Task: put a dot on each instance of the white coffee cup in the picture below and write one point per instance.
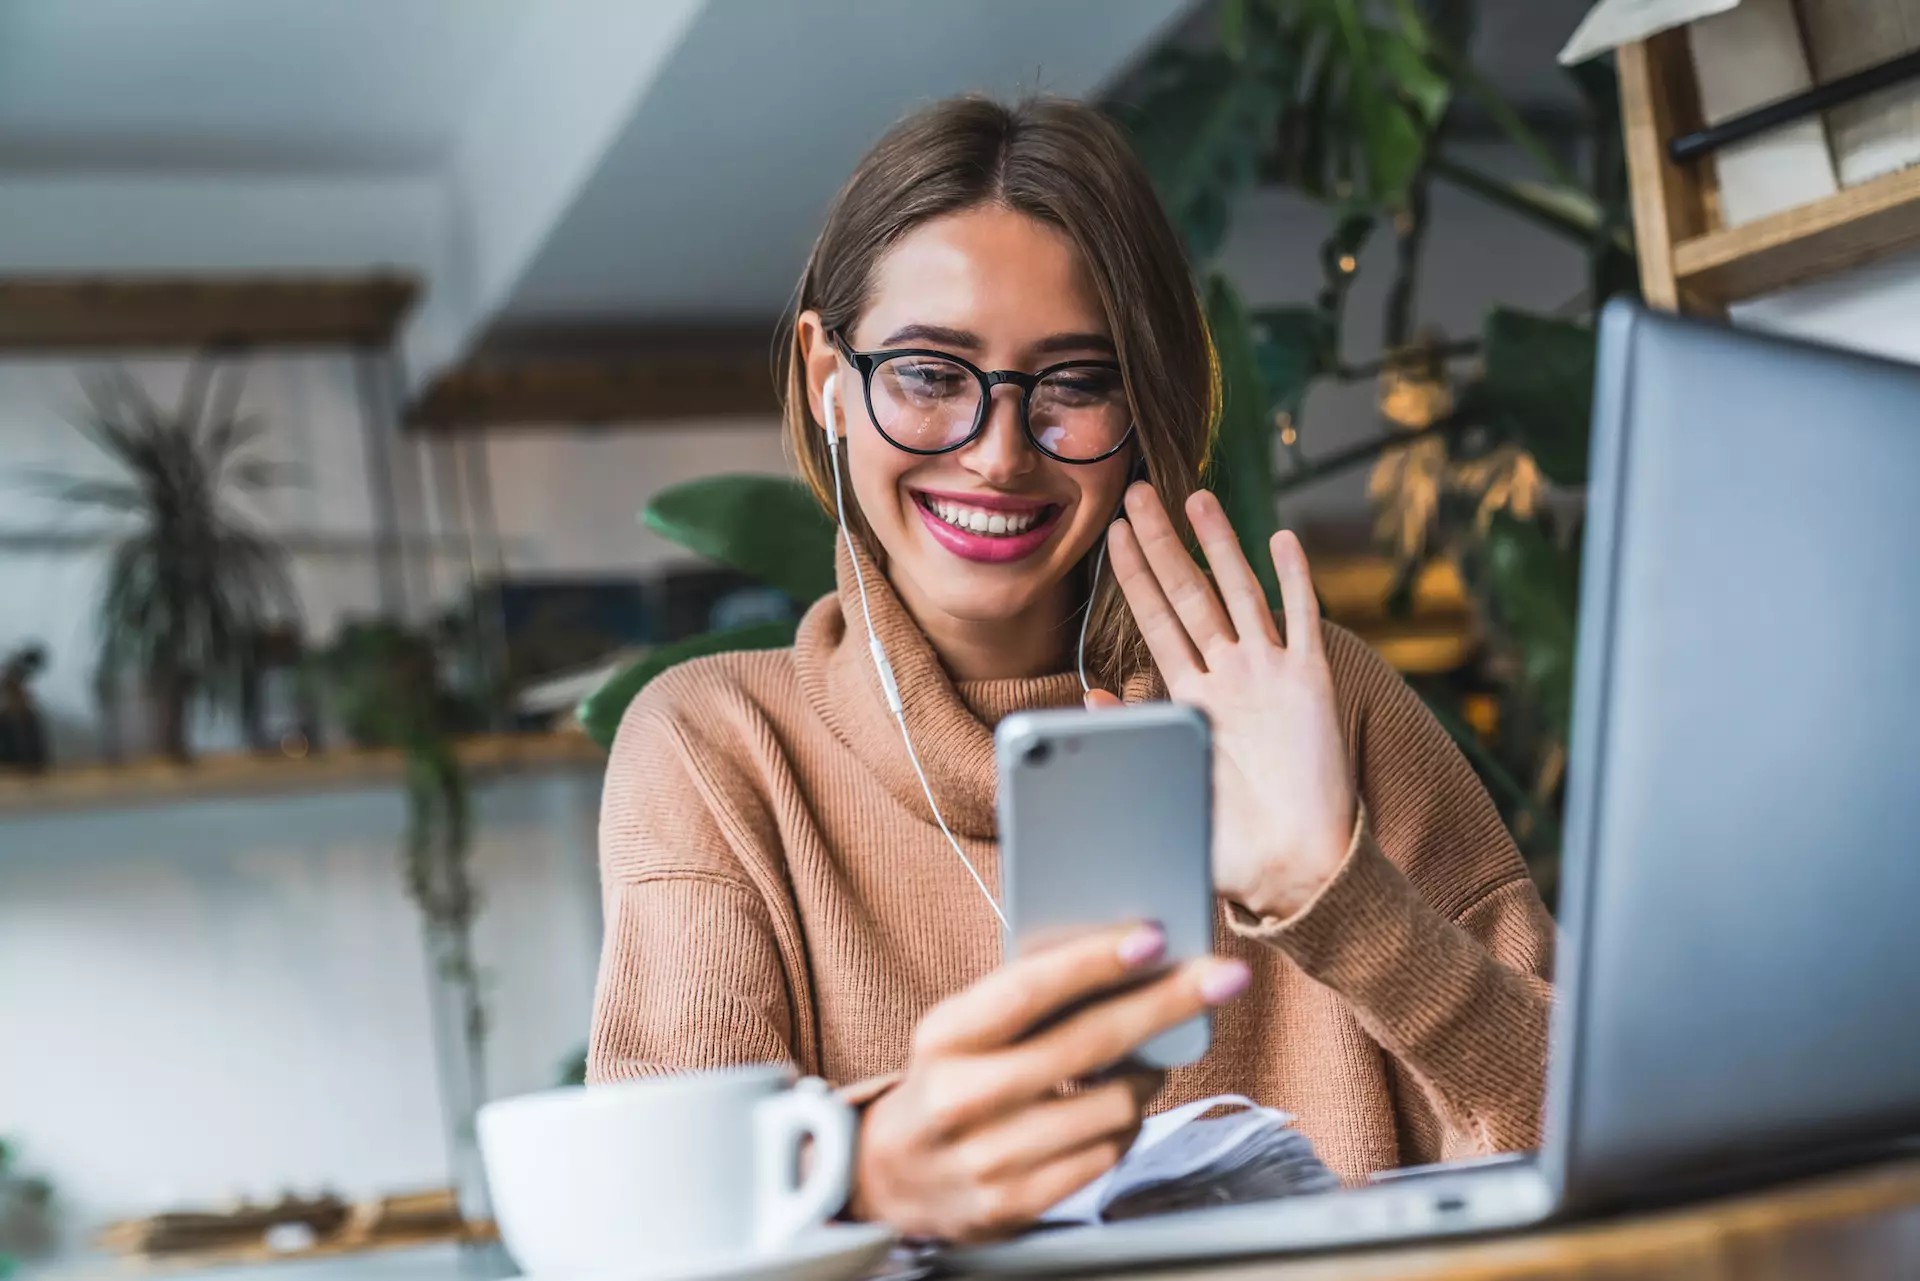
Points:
(663, 1172)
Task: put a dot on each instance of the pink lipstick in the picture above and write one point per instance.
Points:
(987, 528)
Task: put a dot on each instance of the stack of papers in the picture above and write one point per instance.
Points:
(1223, 1150)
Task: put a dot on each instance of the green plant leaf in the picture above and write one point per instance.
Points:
(768, 526)
(1534, 587)
(574, 1070)
(1200, 128)
(1241, 467)
(82, 491)
(1538, 389)
(599, 713)
(1361, 103)
(1233, 28)
(381, 678)
(1388, 143)
(1413, 78)
(1290, 349)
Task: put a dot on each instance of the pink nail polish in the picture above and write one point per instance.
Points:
(1224, 981)
(1142, 945)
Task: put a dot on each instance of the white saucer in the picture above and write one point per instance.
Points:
(835, 1252)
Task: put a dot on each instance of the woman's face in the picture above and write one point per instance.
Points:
(988, 532)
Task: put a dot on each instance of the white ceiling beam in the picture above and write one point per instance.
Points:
(572, 76)
(565, 92)
(231, 224)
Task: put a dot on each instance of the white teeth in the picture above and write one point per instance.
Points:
(979, 521)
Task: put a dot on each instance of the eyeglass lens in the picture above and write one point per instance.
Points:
(923, 402)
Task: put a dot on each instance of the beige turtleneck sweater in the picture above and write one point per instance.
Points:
(776, 889)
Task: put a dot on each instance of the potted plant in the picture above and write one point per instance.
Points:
(191, 584)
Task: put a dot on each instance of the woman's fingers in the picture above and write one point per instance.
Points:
(1032, 1136)
(1239, 585)
(1109, 1030)
(1100, 700)
(1001, 1209)
(1162, 629)
(1296, 592)
(1002, 1007)
(1186, 588)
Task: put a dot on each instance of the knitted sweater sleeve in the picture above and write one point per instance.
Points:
(693, 971)
(1431, 929)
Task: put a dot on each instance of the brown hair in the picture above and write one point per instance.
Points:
(1064, 163)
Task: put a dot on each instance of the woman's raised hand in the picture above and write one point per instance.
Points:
(978, 1138)
(1283, 795)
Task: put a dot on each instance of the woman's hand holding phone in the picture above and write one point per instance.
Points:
(1284, 802)
(978, 1138)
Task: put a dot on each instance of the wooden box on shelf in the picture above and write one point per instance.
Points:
(1690, 260)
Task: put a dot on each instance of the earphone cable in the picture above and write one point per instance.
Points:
(1093, 589)
(884, 667)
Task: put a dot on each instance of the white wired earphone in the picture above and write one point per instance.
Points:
(888, 685)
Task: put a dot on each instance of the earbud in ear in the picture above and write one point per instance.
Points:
(832, 416)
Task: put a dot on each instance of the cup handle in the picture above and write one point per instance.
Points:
(786, 1204)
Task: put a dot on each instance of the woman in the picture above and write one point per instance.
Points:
(777, 886)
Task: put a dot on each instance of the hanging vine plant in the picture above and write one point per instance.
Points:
(385, 685)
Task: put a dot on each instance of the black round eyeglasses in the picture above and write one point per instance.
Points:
(933, 402)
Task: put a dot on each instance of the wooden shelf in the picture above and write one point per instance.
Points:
(330, 1248)
(605, 374)
(161, 782)
(567, 393)
(103, 313)
(1689, 260)
(1849, 229)
(1439, 636)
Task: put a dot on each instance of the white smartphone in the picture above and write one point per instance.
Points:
(1107, 817)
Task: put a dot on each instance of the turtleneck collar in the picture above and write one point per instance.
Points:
(951, 722)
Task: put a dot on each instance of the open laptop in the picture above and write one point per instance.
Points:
(1739, 967)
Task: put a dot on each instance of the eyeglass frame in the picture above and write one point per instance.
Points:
(868, 361)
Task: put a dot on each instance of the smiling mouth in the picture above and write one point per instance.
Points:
(985, 522)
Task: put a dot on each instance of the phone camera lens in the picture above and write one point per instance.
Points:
(1036, 753)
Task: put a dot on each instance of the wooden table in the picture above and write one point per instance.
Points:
(1859, 1226)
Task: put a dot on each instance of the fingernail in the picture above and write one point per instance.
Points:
(1142, 945)
(1223, 982)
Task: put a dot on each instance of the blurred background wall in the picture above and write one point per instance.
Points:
(220, 999)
